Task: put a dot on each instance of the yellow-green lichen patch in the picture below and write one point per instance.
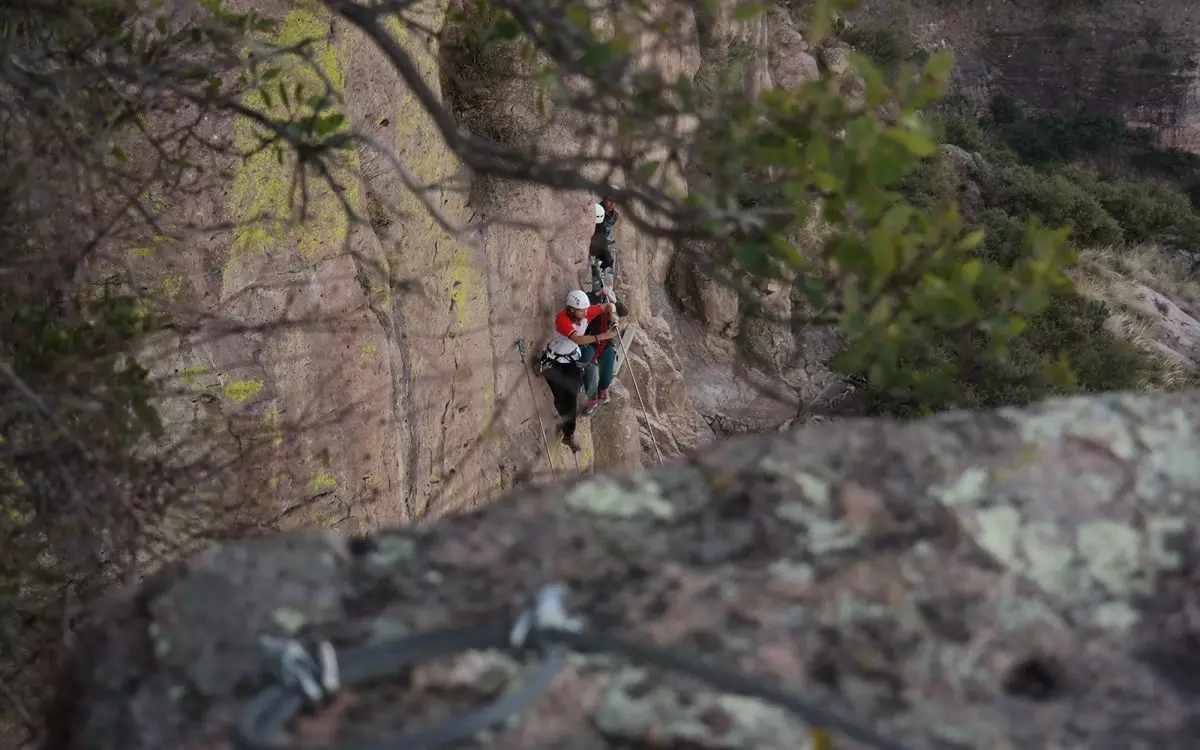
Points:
(467, 289)
(188, 374)
(147, 251)
(369, 350)
(152, 199)
(240, 390)
(605, 497)
(172, 285)
(264, 187)
(324, 481)
(417, 138)
(489, 403)
(271, 422)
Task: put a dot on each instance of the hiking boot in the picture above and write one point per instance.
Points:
(572, 443)
(604, 396)
(592, 405)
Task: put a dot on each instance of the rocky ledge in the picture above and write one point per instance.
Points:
(1017, 578)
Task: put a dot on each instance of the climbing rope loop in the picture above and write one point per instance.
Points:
(543, 628)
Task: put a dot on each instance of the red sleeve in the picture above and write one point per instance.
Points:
(593, 311)
(562, 323)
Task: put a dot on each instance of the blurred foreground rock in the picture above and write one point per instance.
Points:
(1010, 579)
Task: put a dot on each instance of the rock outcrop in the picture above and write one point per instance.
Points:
(1017, 578)
(1134, 59)
(752, 366)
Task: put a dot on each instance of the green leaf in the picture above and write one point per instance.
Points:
(940, 65)
(752, 258)
(507, 30)
(329, 124)
(826, 182)
(971, 270)
(822, 21)
(647, 170)
(971, 241)
(916, 142)
(748, 11)
(877, 90)
(120, 155)
(883, 257)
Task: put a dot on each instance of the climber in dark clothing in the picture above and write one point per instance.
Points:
(604, 240)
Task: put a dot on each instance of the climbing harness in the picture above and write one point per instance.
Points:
(645, 413)
(533, 394)
(549, 358)
(543, 628)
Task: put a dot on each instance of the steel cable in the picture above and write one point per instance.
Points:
(544, 629)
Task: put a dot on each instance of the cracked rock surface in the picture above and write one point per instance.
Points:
(1008, 579)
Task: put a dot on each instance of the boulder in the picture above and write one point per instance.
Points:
(1014, 578)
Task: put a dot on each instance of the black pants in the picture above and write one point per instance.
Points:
(605, 255)
(565, 382)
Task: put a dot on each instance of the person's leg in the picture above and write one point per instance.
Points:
(591, 375)
(607, 363)
(564, 382)
(564, 404)
(591, 380)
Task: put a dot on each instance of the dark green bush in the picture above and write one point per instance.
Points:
(931, 183)
(1058, 201)
(888, 45)
(1149, 211)
(1039, 165)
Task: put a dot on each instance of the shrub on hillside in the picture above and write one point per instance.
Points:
(887, 45)
(1058, 201)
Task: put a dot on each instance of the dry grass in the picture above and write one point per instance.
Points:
(1151, 296)
(1160, 270)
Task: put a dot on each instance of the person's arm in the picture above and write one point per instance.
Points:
(563, 325)
(585, 339)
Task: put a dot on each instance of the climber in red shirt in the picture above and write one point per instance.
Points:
(564, 359)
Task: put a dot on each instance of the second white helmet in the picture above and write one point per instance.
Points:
(599, 214)
(578, 299)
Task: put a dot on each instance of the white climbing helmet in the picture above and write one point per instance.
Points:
(578, 299)
(599, 214)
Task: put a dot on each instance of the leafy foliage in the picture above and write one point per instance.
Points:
(891, 276)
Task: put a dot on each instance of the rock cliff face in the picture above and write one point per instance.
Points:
(1135, 59)
(1019, 578)
(367, 373)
